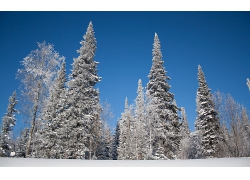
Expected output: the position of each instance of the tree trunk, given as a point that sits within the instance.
(33, 121)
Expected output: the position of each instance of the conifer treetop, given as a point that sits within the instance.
(158, 85)
(126, 104)
(9, 119)
(139, 89)
(201, 78)
(157, 55)
(85, 65)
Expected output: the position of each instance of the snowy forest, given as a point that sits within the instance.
(67, 121)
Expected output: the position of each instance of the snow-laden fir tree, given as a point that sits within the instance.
(185, 134)
(163, 113)
(40, 68)
(185, 131)
(83, 109)
(127, 135)
(8, 122)
(123, 150)
(52, 135)
(142, 143)
(115, 142)
(207, 123)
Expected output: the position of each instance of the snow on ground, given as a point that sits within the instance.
(35, 162)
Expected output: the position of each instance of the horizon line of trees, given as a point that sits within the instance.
(67, 120)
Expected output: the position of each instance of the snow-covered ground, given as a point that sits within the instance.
(70, 169)
(32, 162)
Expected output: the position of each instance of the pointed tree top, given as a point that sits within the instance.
(156, 38)
(139, 89)
(126, 103)
(14, 94)
(157, 55)
(201, 73)
(90, 24)
(90, 27)
(182, 110)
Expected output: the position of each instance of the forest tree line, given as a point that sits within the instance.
(67, 120)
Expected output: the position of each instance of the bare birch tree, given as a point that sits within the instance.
(39, 70)
(234, 123)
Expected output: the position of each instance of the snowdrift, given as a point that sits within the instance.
(32, 162)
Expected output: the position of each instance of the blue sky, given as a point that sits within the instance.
(218, 41)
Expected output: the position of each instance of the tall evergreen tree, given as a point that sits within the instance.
(115, 142)
(83, 109)
(8, 121)
(126, 135)
(164, 120)
(207, 122)
(184, 127)
(52, 134)
(142, 145)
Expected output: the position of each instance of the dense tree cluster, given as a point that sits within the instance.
(67, 120)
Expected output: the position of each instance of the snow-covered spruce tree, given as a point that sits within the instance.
(83, 108)
(115, 142)
(52, 135)
(40, 68)
(8, 121)
(127, 144)
(142, 145)
(164, 114)
(207, 123)
(185, 134)
(185, 131)
(123, 143)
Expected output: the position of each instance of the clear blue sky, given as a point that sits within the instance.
(218, 41)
